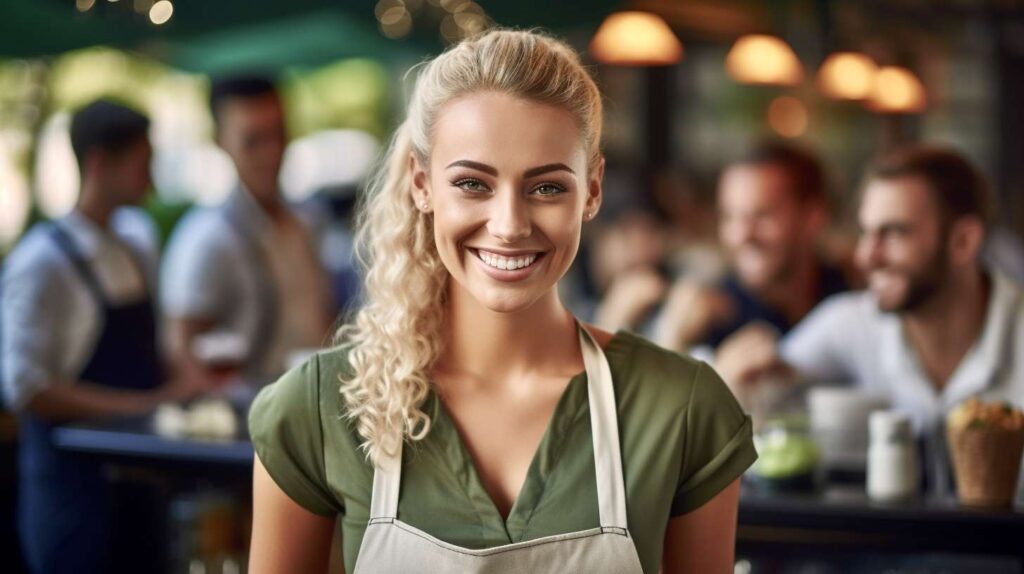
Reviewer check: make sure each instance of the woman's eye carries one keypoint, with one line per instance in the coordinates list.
(548, 189)
(471, 185)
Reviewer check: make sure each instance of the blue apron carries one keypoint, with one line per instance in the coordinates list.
(65, 504)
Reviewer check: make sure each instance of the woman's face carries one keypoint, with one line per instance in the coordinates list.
(508, 186)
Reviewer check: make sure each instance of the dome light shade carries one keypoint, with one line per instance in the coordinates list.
(897, 90)
(847, 76)
(636, 39)
(763, 60)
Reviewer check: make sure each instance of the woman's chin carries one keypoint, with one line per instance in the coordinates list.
(506, 300)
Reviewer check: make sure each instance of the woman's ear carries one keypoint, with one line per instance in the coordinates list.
(594, 191)
(419, 184)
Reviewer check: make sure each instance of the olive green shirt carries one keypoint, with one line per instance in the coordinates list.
(683, 438)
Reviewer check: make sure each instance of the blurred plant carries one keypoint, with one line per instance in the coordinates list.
(346, 94)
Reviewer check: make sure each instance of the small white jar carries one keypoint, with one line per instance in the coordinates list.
(893, 465)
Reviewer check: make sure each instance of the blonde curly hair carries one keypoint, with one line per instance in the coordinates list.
(396, 335)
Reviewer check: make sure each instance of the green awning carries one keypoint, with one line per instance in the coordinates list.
(214, 35)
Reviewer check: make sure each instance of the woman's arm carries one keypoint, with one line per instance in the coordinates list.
(285, 536)
(704, 541)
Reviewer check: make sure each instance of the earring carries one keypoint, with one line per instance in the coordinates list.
(425, 206)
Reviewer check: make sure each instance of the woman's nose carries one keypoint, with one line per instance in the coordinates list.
(509, 219)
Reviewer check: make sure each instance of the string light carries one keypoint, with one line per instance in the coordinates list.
(787, 116)
(161, 12)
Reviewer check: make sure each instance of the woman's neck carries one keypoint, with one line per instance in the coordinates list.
(501, 347)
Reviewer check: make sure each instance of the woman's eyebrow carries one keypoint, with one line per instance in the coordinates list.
(532, 172)
(474, 165)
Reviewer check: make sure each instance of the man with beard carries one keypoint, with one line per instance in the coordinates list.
(934, 326)
(772, 212)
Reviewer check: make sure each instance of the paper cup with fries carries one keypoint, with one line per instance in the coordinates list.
(986, 441)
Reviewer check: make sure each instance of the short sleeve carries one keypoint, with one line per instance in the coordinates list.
(718, 446)
(287, 435)
(193, 280)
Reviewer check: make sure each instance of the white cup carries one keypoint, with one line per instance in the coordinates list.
(839, 419)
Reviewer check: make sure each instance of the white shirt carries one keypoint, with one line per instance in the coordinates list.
(49, 319)
(211, 272)
(848, 339)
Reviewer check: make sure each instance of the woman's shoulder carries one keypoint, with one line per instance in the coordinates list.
(651, 366)
(296, 429)
(305, 394)
(655, 383)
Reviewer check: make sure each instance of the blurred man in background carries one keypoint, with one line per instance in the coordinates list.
(773, 210)
(627, 264)
(934, 326)
(245, 271)
(79, 341)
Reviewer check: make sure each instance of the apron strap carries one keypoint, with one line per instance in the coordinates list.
(71, 251)
(604, 423)
(387, 480)
(67, 244)
(611, 491)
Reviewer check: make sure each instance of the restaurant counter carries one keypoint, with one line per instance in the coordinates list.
(841, 524)
(836, 522)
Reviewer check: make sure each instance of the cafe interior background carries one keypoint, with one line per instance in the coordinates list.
(685, 82)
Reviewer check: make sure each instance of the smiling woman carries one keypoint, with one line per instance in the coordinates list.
(466, 422)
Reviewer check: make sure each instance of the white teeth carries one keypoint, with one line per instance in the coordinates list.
(507, 264)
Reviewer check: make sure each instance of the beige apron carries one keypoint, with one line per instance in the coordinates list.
(392, 546)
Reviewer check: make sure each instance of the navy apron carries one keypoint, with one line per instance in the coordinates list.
(65, 516)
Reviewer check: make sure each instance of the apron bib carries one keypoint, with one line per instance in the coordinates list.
(64, 500)
(392, 546)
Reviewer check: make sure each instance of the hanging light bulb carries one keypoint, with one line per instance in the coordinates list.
(847, 76)
(636, 39)
(787, 116)
(897, 90)
(765, 60)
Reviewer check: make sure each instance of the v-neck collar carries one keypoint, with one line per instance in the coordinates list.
(453, 451)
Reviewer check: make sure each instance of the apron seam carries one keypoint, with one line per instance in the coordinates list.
(502, 549)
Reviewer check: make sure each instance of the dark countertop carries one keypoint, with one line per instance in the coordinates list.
(840, 516)
(851, 502)
(133, 440)
(843, 518)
